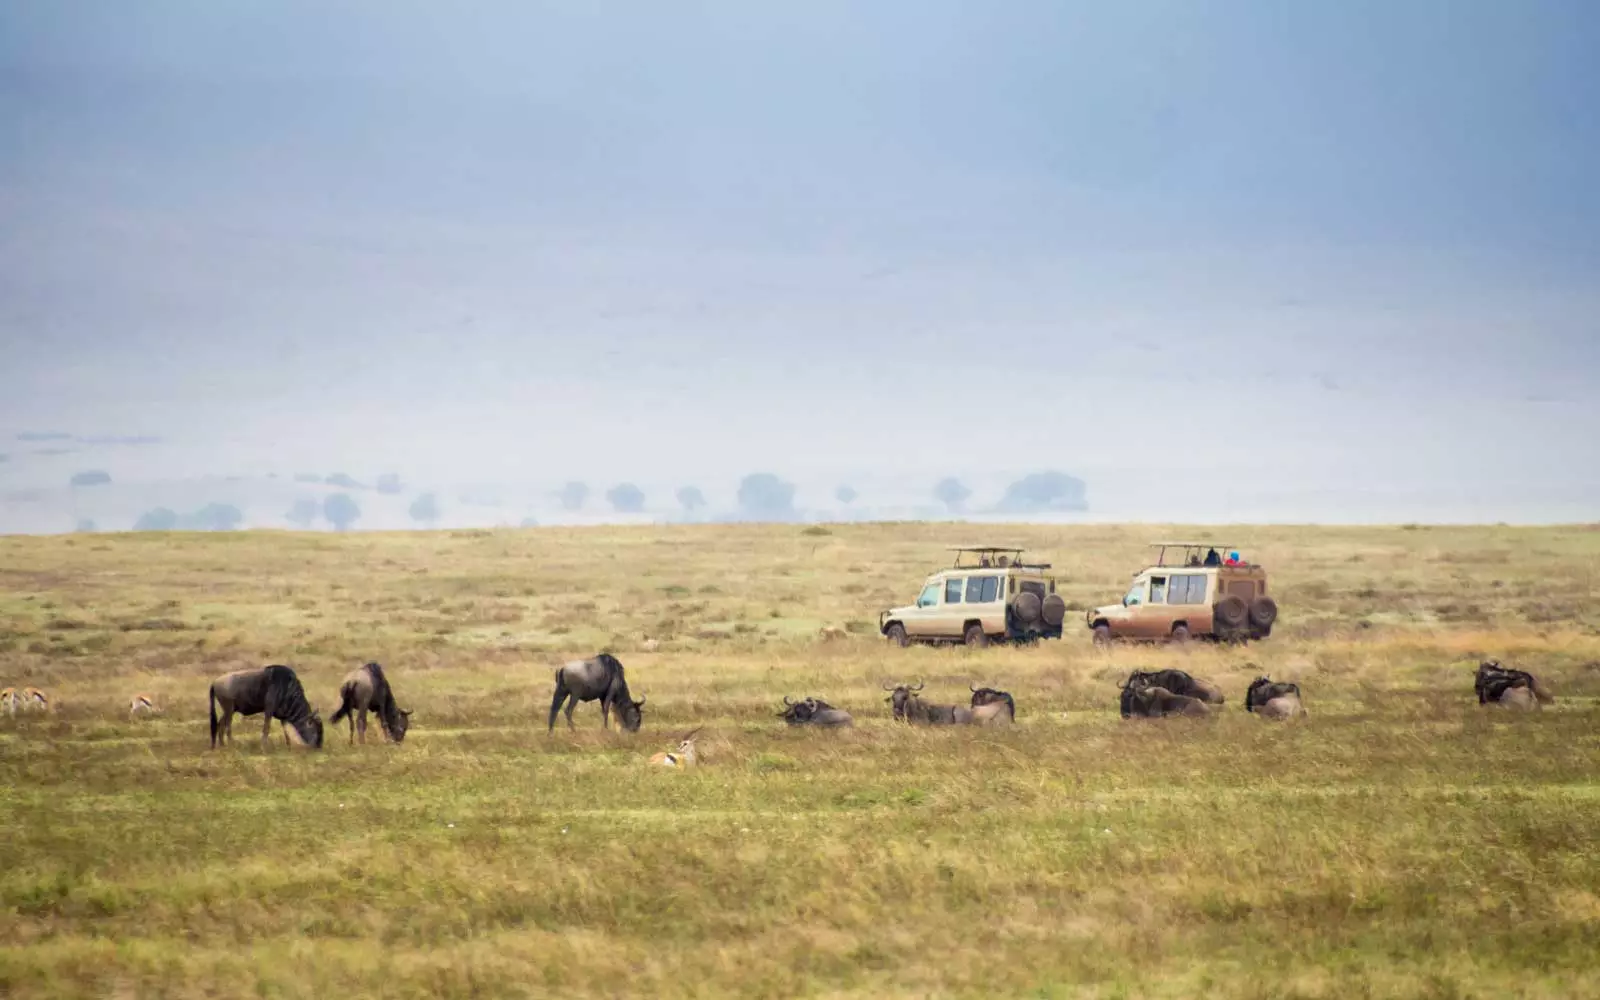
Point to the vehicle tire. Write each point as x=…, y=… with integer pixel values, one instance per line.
x=976, y=636
x=1230, y=613
x=1054, y=610
x=1180, y=634
x=1263, y=612
x=1026, y=608
x=1102, y=635
x=896, y=635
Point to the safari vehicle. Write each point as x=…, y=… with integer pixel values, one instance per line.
x=1190, y=596
x=989, y=595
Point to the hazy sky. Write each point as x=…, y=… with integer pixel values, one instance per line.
x=1322, y=247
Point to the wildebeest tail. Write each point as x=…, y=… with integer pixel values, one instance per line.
x=347, y=701
x=212, y=691
x=1011, y=705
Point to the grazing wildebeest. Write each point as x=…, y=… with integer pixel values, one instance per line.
x=990, y=706
x=1274, y=699
x=685, y=755
x=1175, y=681
x=909, y=707
x=367, y=689
x=813, y=712
x=1497, y=685
x=273, y=691
x=1154, y=701
x=601, y=677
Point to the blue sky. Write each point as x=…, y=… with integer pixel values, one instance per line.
x=1354, y=243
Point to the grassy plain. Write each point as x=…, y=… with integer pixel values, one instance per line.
x=1401, y=842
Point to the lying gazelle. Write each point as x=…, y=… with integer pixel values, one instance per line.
x=142, y=704
x=9, y=698
x=685, y=756
x=33, y=700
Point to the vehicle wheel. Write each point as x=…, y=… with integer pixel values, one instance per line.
x=1054, y=610
x=1102, y=635
x=976, y=636
x=897, y=635
x=1026, y=608
x=1180, y=634
x=1230, y=613
x=1263, y=612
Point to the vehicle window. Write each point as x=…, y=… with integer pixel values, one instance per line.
x=1033, y=587
x=1158, y=590
x=929, y=597
x=952, y=591
x=1135, y=594
x=982, y=589
x=1189, y=588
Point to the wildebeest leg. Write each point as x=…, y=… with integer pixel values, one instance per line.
x=605, y=712
x=555, y=706
x=267, y=713
x=363, y=725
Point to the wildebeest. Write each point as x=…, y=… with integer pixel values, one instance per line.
x=813, y=712
x=1172, y=680
x=367, y=689
x=273, y=691
x=1154, y=701
x=990, y=706
x=1497, y=685
x=601, y=677
x=909, y=707
x=1274, y=699
x=685, y=755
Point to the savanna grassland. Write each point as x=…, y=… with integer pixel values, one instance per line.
x=1400, y=842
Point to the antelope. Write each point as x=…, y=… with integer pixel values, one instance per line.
x=142, y=704
x=8, y=701
x=685, y=755
x=35, y=700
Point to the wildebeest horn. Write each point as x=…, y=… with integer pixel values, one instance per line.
x=971, y=688
x=888, y=687
x=919, y=685
x=640, y=702
x=788, y=700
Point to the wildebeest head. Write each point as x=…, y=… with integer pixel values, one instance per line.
x=311, y=732
x=631, y=713
x=402, y=722
x=798, y=713
x=901, y=695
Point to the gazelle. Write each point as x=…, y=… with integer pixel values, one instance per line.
x=35, y=700
x=142, y=704
x=8, y=701
x=684, y=757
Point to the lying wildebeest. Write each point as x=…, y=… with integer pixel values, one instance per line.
x=909, y=707
x=601, y=677
x=1274, y=699
x=1174, y=681
x=992, y=706
x=813, y=712
x=272, y=690
x=367, y=689
x=1497, y=685
x=1154, y=701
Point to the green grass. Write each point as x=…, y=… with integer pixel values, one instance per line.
x=1401, y=842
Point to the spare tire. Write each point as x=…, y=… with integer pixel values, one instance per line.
x=1230, y=612
x=1026, y=607
x=1263, y=612
x=1055, y=610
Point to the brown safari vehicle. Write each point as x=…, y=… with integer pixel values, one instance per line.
x=1197, y=594
x=989, y=595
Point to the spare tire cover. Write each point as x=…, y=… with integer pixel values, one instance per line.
x=1055, y=610
x=1263, y=611
x=1231, y=611
x=1026, y=607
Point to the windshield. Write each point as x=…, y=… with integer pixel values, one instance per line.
x=929, y=597
x=1135, y=594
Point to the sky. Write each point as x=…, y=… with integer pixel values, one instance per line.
x=1223, y=260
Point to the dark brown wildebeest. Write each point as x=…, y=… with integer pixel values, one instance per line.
x=1274, y=699
x=1174, y=681
x=273, y=691
x=367, y=689
x=813, y=712
x=992, y=707
x=1497, y=685
x=1154, y=702
x=909, y=707
x=601, y=677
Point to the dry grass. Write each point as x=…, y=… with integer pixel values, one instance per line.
x=1401, y=842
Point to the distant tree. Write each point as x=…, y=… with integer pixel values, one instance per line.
x=389, y=483
x=303, y=513
x=85, y=524
x=1043, y=491
x=425, y=509
x=764, y=496
x=530, y=522
x=846, y=495
x=625, y=498
x=93, y=477
x=341, y=511
x=951, y=492
x=307, y=477
x=213, y=517
x=690, y=498
x=157, y=519
x=573, y=495
x=344, y=482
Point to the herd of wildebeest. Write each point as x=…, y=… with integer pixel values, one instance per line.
x=275, y=693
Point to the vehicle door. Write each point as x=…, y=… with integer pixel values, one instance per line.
x=1188, y=600
x=1153, y=618
x=920, y=620
x=952, y=609
x=985, y=601
x=1128, y=623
